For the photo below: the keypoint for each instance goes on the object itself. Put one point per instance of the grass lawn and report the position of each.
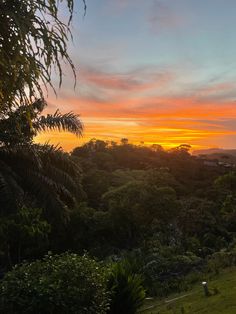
(194, 301)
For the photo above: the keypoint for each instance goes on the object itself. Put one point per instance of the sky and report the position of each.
(153, 71)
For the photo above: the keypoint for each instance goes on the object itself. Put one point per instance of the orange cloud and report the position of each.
(176, 121)
(151, 107)
(139, 105)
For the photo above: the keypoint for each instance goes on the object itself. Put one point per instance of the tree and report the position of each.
(33, 42)
(135, 207)
(22, 235)
(226, 191)
(20, 126)
(37, 176)
(124, 141)
(33, 175)
(42, 175)
(200, 219)
(227, 182)
(95, 184)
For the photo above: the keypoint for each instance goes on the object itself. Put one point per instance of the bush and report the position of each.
(65, 283)
(127, 292)
(167, 274)
(221, 260)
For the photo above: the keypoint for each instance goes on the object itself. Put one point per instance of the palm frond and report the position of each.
(21, 156)
(61, 176)
(46, 174)
(69, 122)
(55, 156)
(46, 195)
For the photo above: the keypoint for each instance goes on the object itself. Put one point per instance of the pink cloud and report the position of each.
(137, 80)
(151, 107)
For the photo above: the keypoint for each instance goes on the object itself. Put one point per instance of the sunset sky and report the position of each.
(153, 71)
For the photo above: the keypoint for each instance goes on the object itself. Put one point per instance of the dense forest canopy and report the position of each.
(109, 197)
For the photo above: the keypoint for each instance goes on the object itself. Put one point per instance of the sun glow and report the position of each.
(165, 133)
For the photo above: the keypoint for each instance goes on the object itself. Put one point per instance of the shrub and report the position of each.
(65, 283)
(127, 292)
(221, 260)
(167, 274)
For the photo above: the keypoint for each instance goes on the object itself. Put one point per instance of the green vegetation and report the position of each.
(127, 292)
(65, 283)
(151, 221)
(168, 215)
(222, 300)
(29, 121)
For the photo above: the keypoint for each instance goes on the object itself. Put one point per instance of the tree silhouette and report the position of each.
(20, 126)
(33, 43)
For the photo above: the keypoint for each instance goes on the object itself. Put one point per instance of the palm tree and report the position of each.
(40, 175)
(19, 126)
(34, 175)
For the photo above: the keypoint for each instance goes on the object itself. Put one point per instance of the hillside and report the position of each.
(211, 151)
(225, 157)
(194, 301)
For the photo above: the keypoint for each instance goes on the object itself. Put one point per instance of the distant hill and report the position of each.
(225, 156)
(217, 151)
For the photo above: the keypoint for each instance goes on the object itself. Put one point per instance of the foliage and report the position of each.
(21, 125)
(114, 200)
(227, 181)
(200, 218)
(22, 235)
(136, 206)
(127, 292)
(42, 173)
(221, 260)
(166, 273)
(65, 283)
(33, 42)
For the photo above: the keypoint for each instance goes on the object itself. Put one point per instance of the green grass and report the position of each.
(223, 302)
